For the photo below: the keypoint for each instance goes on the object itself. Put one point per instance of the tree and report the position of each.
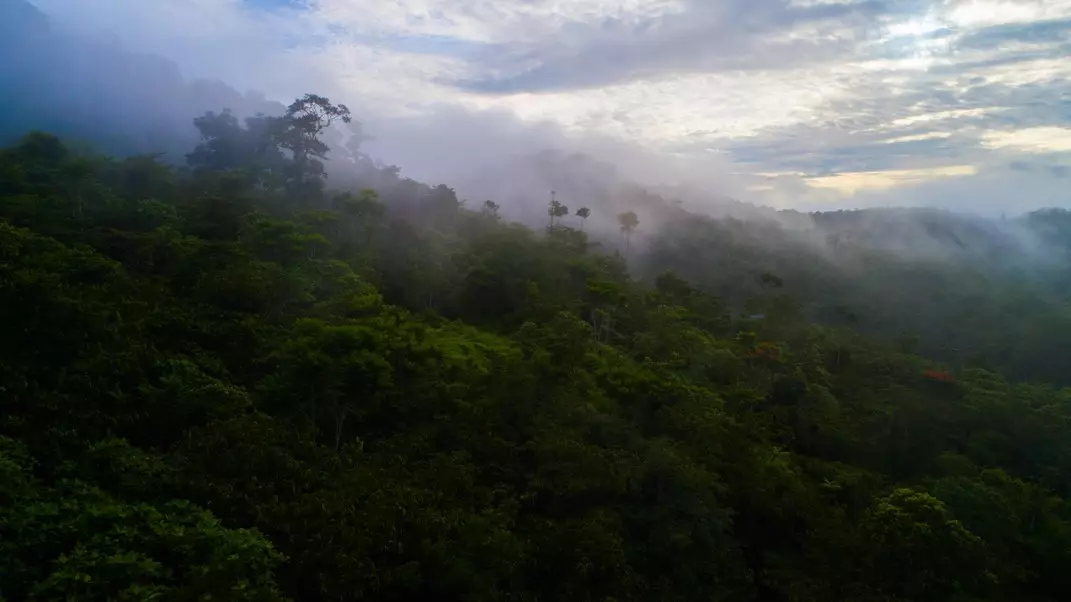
(222, 142)
(77, 172)
(490, 209)
(74, 541)
(362, 214)
(916, 549)
(583, 213)
(227, 145)
(305, 120)
(332, 373)
(770, 280)
(628, 222)
(443, 406)
(556, 209)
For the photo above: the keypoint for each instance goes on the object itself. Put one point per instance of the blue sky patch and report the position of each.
(276, 4)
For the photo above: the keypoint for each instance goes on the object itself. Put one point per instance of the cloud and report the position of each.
(889, 179)
(1032, 140)
(697, 37)
(847, 101)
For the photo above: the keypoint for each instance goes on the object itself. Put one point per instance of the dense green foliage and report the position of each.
(968, 291)
(227, 382)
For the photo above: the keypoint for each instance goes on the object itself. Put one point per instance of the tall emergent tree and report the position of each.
(583, 213)
(256, 149)
(628, 222)
(305, 120)
(557, 210)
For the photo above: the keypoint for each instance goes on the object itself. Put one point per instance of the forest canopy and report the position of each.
(233, 380)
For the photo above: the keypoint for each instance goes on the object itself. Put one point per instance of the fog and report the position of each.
(83, 85)
(91, 90)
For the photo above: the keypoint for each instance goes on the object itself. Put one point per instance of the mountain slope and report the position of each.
(96, 92)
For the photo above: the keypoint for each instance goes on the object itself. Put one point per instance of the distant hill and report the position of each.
(96, 92)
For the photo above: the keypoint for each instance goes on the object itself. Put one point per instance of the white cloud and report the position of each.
(484, 20)
(1028, 72)
(668, 110)
(1031, 140)
(981, 13)
(853, 182)
(940, 116)
(918, 137)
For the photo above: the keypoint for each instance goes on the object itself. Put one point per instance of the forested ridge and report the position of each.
(968, 291)
(229, 381)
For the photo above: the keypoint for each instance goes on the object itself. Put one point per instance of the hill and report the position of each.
(226, 376)
(230, 381)
(95, 92)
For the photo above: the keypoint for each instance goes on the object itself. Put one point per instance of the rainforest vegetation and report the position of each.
(226, 375)
(232, 380)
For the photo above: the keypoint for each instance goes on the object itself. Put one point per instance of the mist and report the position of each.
(84, 85)
(91, 90)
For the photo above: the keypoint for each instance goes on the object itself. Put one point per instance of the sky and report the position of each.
(812, 104)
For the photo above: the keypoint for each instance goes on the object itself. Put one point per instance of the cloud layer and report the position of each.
(806, 103)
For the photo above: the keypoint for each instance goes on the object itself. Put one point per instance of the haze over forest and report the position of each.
(528, 301)
(801, 104)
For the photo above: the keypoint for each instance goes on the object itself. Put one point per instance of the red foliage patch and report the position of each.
(767, 351)
(940, 376)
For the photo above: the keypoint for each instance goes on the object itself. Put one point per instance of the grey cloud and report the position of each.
(864, 156)
(1004, 59)
(707, 36)
(1039, 32)
(861, 133)
(1058, 171)
(853, 135)
(1050, 170)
